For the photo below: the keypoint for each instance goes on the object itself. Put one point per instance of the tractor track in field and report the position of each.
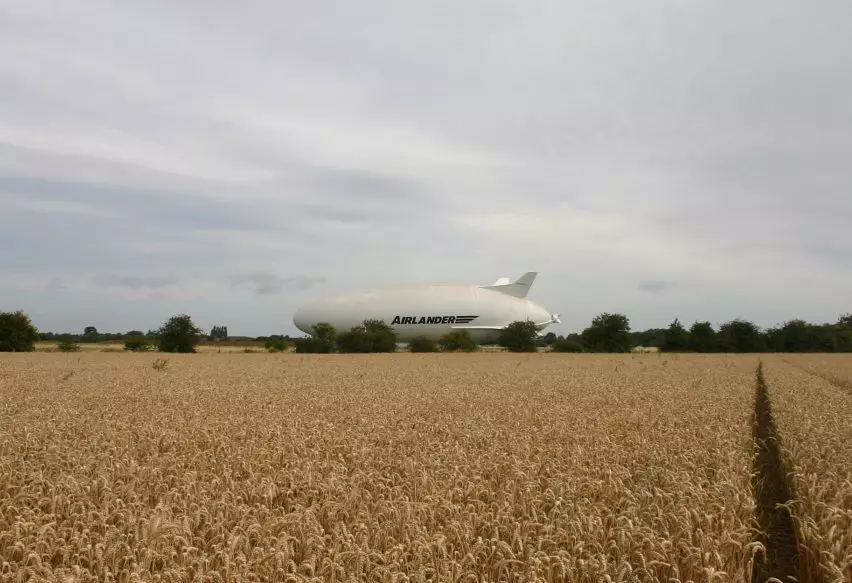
(772, 490)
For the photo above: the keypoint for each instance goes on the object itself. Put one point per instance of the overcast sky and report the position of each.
(232, 160)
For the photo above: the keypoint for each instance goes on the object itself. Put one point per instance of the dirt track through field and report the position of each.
(772, 490)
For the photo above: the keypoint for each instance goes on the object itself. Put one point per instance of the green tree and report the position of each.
(547, 339)
(178, 334)
(275, 344)
(67, 345)
(608, 333)
(702, 337)
(566, 345)
(423, 344)
(677, 338)
(17, 333)
(90, 334)
(741, 336)
(137, 342)
(219, 333)
(457, 340)
(322, 340)
(519, 336)
(354, 340)
(382, 337)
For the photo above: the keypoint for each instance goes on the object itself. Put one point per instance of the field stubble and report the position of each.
(376, 467)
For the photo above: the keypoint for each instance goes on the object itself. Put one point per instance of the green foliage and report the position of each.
(741, 336)
(90, 334)
(702, 337)
(547, 340)
(608, 333)
(219, 333)
(178, 334)
(677, 338)
(275, 344)
(457, 340)
(137, 343)
(423, 344)
(372, 336)
(17, 333)
(566, 345)
(322, 341)
(354, 340)
(67, 345)
(519, 336)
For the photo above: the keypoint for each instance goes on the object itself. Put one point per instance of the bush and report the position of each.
(422, 344)
(137, 343)
(275, 345)
(67, 345)
(322, 340)
(457, 340)
(566, 345)
(372, 336)
(17, 333)
(519, 336)
(178, 334)
(354, 340)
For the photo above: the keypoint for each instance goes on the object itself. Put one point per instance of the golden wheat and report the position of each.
(402, 467)
(814, 419)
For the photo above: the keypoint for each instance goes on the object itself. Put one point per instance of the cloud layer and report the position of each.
(232, 160)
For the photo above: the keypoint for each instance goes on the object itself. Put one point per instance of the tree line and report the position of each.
(607, 332)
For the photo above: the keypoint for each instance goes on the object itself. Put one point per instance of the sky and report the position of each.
(233, 160)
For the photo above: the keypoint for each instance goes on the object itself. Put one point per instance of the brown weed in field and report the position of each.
(397, 467)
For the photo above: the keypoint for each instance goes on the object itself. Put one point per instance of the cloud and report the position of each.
(596, 143)
(655, 286)
(264, 283)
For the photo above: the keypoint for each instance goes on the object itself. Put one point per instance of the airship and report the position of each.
(432, 309)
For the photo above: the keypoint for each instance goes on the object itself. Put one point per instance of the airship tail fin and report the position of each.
(518, 288)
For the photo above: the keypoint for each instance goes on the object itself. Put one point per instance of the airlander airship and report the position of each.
(432, 309)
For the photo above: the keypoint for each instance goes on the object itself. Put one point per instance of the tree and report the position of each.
(608, 333)
(178, 334)
(741, 336)
(702, 337)
(677, 338)
(67, 345)
(519, 336)
(355, 339)
(275, 343)
(17, 333)
(382, 338)
(137, 342)
(547, 340)
(322, 340)
(845, 320)
(566, 345)
(219, 333)
(457, 340)
(90, 334)
(423, 344)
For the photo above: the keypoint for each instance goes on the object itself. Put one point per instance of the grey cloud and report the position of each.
(265, 283)
(138, 281)
(368, 131)
(655, 286)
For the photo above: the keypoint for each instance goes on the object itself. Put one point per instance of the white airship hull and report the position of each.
(430, 310)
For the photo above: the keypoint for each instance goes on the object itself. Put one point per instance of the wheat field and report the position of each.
(401, 467)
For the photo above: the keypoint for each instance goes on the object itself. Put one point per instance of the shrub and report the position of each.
(354, 340)
(457, 340)
(137, 343)
(178, 334)
(519, 336)
(275, 345)
(422, 344)
(381, 337)
(566, 345)
(17, 333)
(67, 345)
(321, 341)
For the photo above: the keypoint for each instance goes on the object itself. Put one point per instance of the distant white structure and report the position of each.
(432, 309)
(645, 349)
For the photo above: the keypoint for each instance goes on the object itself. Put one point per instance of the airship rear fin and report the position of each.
(502, 281)
(518, 288)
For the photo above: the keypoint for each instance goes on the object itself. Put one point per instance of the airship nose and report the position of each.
(302, 321)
